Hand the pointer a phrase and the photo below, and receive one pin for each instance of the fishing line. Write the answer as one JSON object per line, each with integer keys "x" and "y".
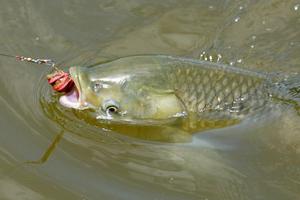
{"x": 47, "y": 61}
{"x": 6, "y": 55}
{"x": 59, "y": 80}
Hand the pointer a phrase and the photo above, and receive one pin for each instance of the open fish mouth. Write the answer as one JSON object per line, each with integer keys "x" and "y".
{"x": 73, "y": 98}
{"x": 70, "y": 99}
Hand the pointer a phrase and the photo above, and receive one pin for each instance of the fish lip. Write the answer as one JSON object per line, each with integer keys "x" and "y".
{"x": 65, "y": 101}
{"x": 74, "y": 73}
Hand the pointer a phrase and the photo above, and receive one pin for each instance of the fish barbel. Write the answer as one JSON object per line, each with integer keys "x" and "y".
{"x": 160, "y": 89}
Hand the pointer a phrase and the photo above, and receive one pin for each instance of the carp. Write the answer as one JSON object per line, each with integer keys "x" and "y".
{"x": 159, "y": 90}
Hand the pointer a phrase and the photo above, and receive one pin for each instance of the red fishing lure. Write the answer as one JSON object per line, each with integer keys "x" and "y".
{"x": 59, "y": 80}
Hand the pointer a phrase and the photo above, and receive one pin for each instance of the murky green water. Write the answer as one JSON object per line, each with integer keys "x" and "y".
{"x": 258, "y": 159}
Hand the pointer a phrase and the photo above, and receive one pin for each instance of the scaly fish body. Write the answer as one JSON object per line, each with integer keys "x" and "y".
{"x": 208, "y": 88}
{"x": 159, "y": 89}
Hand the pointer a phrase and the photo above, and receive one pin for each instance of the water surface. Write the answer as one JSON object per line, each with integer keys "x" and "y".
{"x": 258, "y": 159}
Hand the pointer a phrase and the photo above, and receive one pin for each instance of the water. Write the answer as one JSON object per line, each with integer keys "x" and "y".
{"x": 258, "y": 159}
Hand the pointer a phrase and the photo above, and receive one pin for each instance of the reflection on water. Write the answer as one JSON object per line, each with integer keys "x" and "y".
{"x": 258, "y": 159}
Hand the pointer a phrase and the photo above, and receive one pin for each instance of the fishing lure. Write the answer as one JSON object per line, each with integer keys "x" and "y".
{"x": 59, "y": 80}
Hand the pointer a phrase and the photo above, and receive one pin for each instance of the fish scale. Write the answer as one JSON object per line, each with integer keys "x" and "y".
{"x": 214, "y": 90}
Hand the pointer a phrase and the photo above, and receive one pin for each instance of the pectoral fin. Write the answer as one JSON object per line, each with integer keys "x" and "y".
{"x": 163, "y": 103}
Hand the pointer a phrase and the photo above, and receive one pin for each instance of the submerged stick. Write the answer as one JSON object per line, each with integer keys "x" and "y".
{"x": 61, "y": 82}
{"x": 50, "y": 149}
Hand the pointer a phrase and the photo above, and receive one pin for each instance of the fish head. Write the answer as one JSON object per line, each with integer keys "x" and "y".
{"x": 122, "y": 97}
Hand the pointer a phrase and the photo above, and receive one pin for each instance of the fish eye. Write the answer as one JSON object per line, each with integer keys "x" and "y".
{"x": 110, "y": 106}
{"x": 112, "y": 109}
